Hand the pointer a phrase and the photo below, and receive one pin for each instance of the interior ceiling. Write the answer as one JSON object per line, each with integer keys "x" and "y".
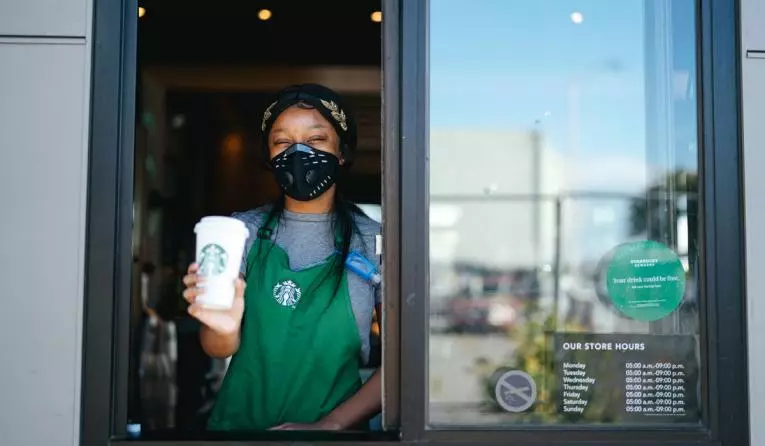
{"x": 300, "y": 32}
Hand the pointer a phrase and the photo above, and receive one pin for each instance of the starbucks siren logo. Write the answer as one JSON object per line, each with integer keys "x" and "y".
{"x": 287, "y": 293}
{"x": 213, "y": 260}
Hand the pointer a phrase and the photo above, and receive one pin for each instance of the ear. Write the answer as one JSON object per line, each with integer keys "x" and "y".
{"x": 343, "y": 151}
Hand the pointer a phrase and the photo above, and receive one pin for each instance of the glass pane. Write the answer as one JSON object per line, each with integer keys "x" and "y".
{"x": 563, "y": 213}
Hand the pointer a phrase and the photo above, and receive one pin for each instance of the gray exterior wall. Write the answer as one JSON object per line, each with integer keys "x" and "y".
{"x": 753, "y": 97}
{"x": 44, "y": 114}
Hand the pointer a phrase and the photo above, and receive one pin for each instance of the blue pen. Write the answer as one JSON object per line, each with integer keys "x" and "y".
{"x": 363, "y": 267}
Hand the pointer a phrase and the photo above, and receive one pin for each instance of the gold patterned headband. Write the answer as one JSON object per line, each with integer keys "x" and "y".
{"x": 267, "y": 115}
{"x": 337, "y": 113}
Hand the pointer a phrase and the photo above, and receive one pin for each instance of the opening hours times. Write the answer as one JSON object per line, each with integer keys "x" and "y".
{"x": 655, "y": 388}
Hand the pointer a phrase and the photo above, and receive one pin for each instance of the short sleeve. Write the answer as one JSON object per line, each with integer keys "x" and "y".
{"x": 253, "y": 219}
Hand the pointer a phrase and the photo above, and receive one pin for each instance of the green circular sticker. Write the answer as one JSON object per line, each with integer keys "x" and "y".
{"x": 645, "y": 280}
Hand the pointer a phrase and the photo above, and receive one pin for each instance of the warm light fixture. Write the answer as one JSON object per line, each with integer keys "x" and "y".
{"x": 141, "y": 11}
{"x": 376, "y": 16}
{"x": 233, "y": 144}
{"x": 264, "y": 14}
{"x": 577, "y": 17}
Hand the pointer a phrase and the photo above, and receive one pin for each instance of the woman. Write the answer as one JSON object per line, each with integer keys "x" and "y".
{"x": 300, "y": 325}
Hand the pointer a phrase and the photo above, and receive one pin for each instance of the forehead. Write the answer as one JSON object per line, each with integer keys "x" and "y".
{"x": 296, "y": 117}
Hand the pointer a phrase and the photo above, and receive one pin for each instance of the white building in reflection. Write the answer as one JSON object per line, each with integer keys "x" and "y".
{"x": 492, "y": 198}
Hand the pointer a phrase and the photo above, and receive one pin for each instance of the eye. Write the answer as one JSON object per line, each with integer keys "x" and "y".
{"x": 317, "y": 138}
{"x": 280, "y": 142}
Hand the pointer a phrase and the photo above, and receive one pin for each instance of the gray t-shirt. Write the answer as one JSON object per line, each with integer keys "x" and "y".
{"x": 308, "y": 240}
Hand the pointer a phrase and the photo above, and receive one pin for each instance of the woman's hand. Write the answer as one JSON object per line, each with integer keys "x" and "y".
{"x": 318, "y": 426}
{"x": 222, "y": 322}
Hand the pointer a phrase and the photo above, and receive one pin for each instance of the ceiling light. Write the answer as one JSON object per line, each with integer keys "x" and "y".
{"x": 376, "y": 16}
{"x": 141, "y": 11}
{"x": 577, "y": 17}
{"x": 264, "y": 14}
{"x": 233, "y": 144}
{"x": 178, "y": 121}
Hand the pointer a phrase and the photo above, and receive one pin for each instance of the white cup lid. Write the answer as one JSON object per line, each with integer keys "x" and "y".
{"x": 223, "y": 223}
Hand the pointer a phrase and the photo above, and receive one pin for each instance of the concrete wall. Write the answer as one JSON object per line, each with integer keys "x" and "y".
{"x": 753, "y": 83}
{"x": 44, "y": 96}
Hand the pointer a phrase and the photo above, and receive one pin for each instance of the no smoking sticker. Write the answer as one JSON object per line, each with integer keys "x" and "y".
{"x": 515, "y": 391}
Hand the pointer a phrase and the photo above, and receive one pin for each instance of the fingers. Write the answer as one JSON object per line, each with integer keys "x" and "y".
{"x": 201, "y": 314}
{"x": 193, "y": 283}
{"x": 191, "y": 278}
{"x": 191, "y": 294}
{"x": 196, "y": 310}
{"x": 195, "y": 288}
{"x": 299, "y": 427}
{"x": 220, "y": 321}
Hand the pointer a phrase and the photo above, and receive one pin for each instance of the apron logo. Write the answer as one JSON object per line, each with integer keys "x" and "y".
{"x": 213, "y": 260}
{"x": 287, "y": 293}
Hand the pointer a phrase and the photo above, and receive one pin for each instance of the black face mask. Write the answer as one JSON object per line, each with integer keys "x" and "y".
{"x": 304, "y": 173}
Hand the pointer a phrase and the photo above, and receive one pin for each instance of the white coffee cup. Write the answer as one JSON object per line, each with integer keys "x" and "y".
{"x": 220, "y": 245}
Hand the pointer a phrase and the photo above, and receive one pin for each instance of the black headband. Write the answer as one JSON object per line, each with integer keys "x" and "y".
{"x": 326, "y": 102}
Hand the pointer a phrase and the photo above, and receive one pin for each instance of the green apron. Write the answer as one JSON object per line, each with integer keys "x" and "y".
{"x": 298, "y": 357}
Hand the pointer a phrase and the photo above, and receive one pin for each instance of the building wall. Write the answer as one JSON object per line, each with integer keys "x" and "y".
{"x": 44, "y": 114}
{"x": 753, "y": 98}
{"x": 477, "y": 163}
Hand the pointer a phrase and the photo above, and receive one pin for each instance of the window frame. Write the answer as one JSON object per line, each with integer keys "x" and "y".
{"x": 406, "y": 205}
{"x": 108, "y": 261}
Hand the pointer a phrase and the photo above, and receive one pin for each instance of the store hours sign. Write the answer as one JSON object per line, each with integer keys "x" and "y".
{"x": 612, "y": 378}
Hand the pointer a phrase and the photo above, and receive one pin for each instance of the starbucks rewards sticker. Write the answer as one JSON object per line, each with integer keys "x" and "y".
{"x": 645, "y": 280}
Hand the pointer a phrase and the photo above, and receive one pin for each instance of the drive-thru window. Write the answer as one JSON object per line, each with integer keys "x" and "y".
{"x": 558, "y": 188}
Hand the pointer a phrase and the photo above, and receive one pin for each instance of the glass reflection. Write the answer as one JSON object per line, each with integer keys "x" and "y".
{"x": 558, "y": 135}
